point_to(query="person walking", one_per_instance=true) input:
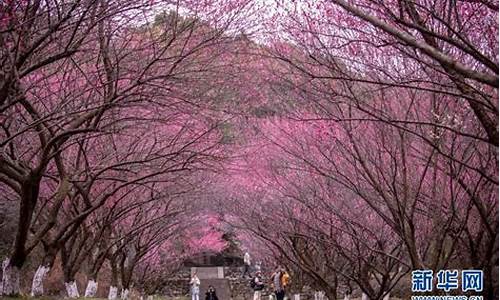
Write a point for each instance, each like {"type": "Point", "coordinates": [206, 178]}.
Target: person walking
{"type": "Point", "coordinates": [246, 264]}
{"type": "Point", "coordinates": [258, 265]}
{"type": "Point", "coordinates": [285, 278]}
{"type": "Point", "coordinates": [279, 289]}
{"type": "Point", "coordinates": [195, 287]}
{"type": "Point", "coordinates": [211, 294]}
{"type": "Point", "coordinates": [257, 285]}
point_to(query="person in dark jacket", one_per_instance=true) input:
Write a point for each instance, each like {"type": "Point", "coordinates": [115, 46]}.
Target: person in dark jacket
{"type": "Point", "coordinates": [258, 286]}
{"type": "Point", "coordinates": [211, 294]}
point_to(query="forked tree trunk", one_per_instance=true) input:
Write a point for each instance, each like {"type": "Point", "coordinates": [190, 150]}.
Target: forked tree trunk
{"type": "Point", "coordinates": [10, 279]}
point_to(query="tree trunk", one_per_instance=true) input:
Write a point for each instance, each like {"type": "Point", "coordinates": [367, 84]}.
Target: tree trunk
{"type": "Point", "coordinates": [72, 289]}
{"type": "Point", "coordinates": [489, 290]}
{"type": "Point", "coordinates": [11, 267]}
{"type": "Point", "coordinates": [113, 288]}
{"type": "Point", "coordinates": [29, 198]}
{"type": "Point", "coordinates": [69, 277]}
{"type": "Point", "coordinates": [126, 269]}
{"type": "Point", "coordinates": [319, 295]}
{"type": "Point", "coordinates": [113, 292]}
{"type": "Point", "coordinates": [10, 279]}
{"type": "Point", "coordinates": [91, 290]}
{"type": "Point", "coordinates": [331, 289]}
{"type": "Point", "coordinates": [92, 284]}
{"type": "Point", "coordinates": [125, 294]}
{"type": "Point", "coordinates": [37, 284]}
{"type": "Point", "coordinates": [43, 270]}
{"type": "Point", "coordinates": [330, 294]}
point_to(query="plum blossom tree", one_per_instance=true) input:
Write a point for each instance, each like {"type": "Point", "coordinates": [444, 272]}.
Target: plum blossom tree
{"type": "Point", "coordinates": [319, 172]}
{"type": "Point", "coordinates": [73, 121]}
{"type": "Point", "coordinates": [166, 259]}
{"type": "Point", "coordinates": [397, 103]}
{"type": "Point", "coordinates": [407, 44]}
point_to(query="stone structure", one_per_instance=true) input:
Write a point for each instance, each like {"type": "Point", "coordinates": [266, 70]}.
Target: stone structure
{"type": "Point", "coordinates": [210, 259]}
{"type": "Point", "coordinates": [223, 271]}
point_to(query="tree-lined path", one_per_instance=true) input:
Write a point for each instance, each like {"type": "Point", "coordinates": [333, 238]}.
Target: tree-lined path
{"type": "Point", "coordinates": [350, 141]}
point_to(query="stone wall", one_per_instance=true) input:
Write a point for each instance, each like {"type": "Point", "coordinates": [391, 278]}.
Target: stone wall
{"type": "Point", "coordinates": [240, 287]}
{"type": "Point", "coordinates": [176, 286]}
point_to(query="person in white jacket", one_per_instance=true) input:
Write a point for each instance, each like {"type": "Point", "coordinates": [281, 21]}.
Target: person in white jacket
{"type": "Point", "coordinates": [246, 264]}
{"type": "Point", "coordinates": [195, 287]}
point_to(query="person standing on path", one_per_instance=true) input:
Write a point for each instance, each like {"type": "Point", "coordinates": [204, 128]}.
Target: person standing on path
{"type": "Point", "coordinates": [258, 266]}
{"type": "Point", "coordinates": [211, 294]}
{"type": "Point", "coordinates": [258, 286]}
{"type": "Point", "coordinates": [247, 263]}
{"type": "Point", "coordinates": [279, 289]}
{"type": "Point", "coordinates": [195, 287]}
